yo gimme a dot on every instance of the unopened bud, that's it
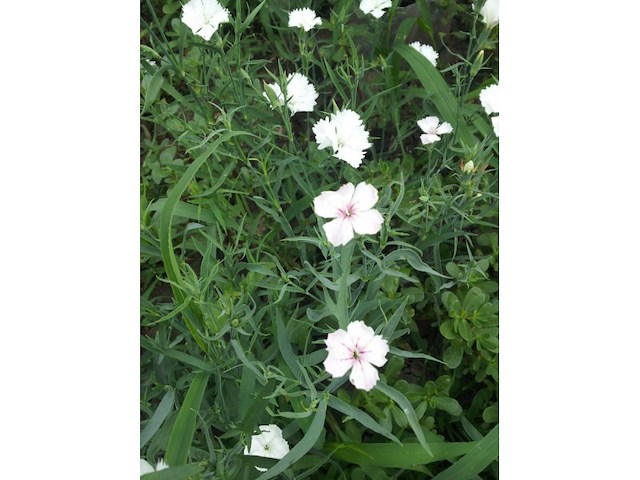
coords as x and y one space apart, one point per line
468 167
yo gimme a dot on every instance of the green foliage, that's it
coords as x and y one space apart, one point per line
239 285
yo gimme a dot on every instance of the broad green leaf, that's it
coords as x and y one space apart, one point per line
479 457
302 447
406 407
453 355
449 405
183 430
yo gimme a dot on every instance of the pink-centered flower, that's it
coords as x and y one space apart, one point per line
357 349
352 211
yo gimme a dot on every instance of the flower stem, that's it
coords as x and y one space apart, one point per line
344 291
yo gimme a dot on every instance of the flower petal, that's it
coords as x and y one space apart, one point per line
496 125
365 197
339 231
375 352
325 132
350 155
428 138
339 339
364 375
145 467
444 128
337 364
327 204
368 222
206 32
361 334
428 124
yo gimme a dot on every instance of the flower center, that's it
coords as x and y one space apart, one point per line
347 212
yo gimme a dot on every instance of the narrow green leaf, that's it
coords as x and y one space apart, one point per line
155 422
392 324
302 447
245 361
153 90
183 430
408 410
286 350
413 259
405 354
396 456
474 462
361 417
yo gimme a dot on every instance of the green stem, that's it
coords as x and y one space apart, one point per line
344 291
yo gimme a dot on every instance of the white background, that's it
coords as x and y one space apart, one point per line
69 267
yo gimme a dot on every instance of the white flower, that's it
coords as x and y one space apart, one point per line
490 13
496 125
204 17
432 130
345 134
304 18
489 99
145 467
426 50
375 7
352 210
301 94
269 444
359 349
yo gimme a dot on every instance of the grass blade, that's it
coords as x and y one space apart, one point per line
185 426
474 462
390 455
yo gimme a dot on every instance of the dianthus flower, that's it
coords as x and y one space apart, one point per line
432 130
490 100
352 211
304 18
301 94
204 17
375 7
357 349
269 444
344 132
490 12
427 51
